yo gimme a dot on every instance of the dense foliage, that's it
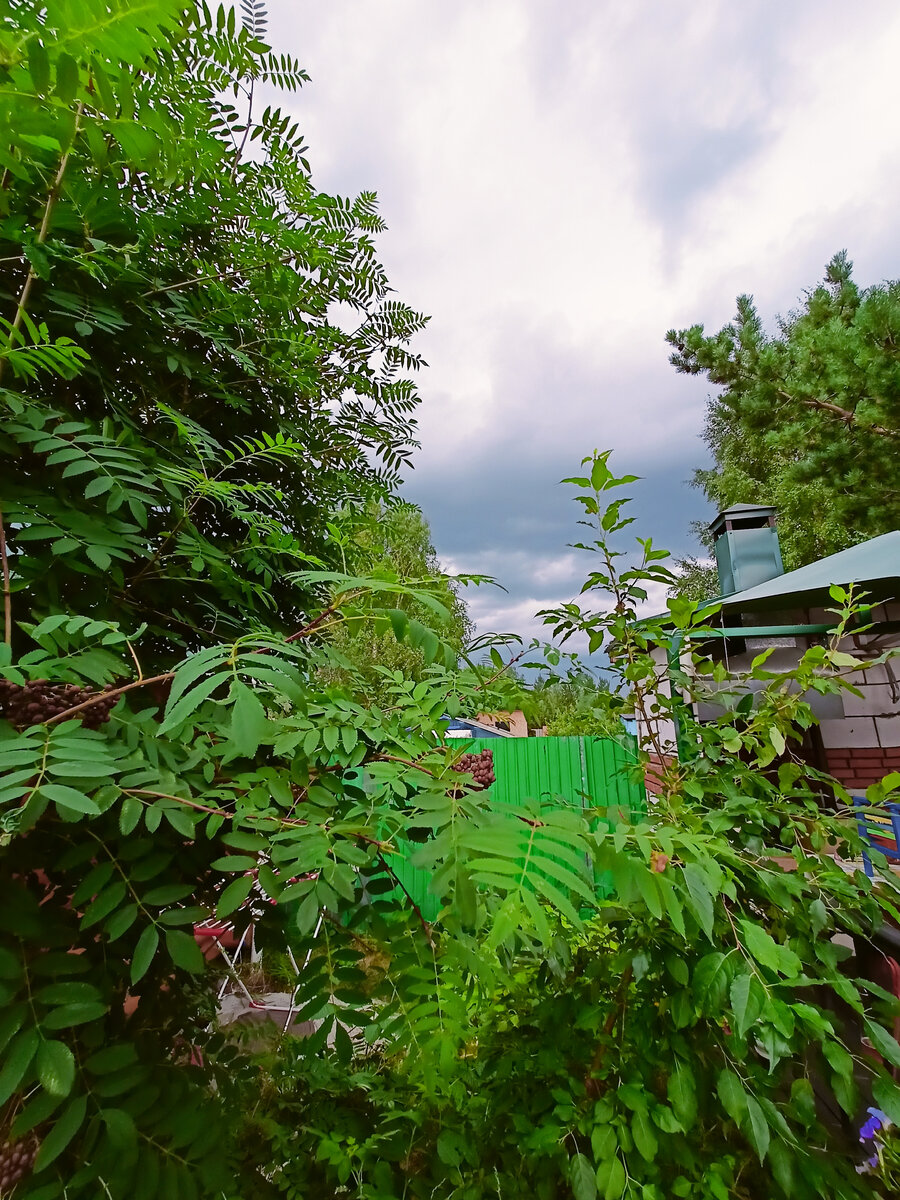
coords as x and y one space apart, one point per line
229 361
567 703
393 543
182 418
695 579
613 1003
697 1033
807 418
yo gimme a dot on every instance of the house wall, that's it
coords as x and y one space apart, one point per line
860 734
515 722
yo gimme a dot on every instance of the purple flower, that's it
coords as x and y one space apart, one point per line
877 1120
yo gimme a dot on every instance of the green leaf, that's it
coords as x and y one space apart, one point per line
120 1129
38 66
582 1178
234 895
886 1094
61 1134
732 1094
184 951
178 713
682 1095
604 1142
167 893
11 1023
69 798
759 1127
819 916
35 1112
56 1068
144 951
234 862
710 981
18 1059
98 556
700 899
649 890
644 1136
66 77
69 992
248 720
839 1058
748 998
129 814
611 1177
883 1042
111 1058
760 944
121 921
181 821
108 900
10 964
68 1015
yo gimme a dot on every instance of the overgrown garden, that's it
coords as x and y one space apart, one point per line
203 560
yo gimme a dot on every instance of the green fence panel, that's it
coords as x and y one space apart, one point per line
587 771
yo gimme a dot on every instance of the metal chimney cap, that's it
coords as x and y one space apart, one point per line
754 516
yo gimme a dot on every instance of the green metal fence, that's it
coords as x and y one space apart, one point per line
587 771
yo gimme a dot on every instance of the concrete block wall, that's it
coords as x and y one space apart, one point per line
860 734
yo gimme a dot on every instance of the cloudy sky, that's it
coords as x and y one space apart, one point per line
563 182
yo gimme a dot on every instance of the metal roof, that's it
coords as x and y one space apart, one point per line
875 565
476 728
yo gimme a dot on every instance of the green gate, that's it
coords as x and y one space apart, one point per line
587 771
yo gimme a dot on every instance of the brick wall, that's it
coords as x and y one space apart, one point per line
655 767
859 766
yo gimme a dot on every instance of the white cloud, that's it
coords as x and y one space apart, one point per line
564 182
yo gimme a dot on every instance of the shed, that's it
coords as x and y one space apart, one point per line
762 606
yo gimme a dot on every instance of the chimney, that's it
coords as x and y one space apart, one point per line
746 546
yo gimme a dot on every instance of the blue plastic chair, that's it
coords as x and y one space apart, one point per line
881 831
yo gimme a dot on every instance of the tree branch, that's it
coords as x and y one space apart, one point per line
502 670
42 233
844 414
283 822
317 621
7 595
98 696
240 149
406 762
402 886
231 273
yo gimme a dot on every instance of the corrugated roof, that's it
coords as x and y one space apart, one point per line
875 565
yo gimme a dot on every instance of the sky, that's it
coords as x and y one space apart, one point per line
565 181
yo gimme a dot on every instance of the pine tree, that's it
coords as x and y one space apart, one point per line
808 417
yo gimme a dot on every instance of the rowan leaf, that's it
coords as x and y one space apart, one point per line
144 952
56 1067
184 951
62 1133
248 720
17 1061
